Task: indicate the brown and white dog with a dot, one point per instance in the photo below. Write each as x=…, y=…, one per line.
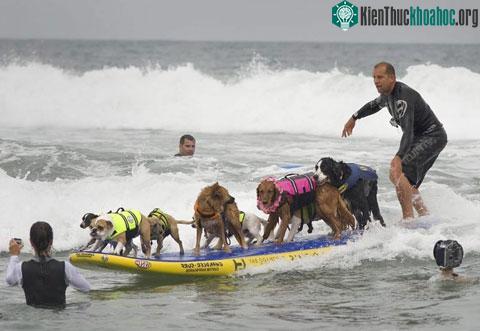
x=99, y=243
x=110, y=227
x=164, y=226
x=329, y=206
x=217, y=213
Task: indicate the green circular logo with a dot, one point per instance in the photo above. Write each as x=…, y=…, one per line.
x=344, y=15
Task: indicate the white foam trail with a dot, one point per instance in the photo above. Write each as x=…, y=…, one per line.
x=261, y=100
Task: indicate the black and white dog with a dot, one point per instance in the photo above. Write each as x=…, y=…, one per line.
x=357, y=184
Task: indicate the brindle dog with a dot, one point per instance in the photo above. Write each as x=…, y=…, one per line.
x=217, y=212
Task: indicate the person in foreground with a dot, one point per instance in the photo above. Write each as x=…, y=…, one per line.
x=422, y=141
x=44, y=279
x=186, y=146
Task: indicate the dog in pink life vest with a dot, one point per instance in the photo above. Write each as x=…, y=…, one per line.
x=283, y=200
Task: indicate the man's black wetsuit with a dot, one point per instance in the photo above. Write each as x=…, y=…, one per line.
x=423, y=135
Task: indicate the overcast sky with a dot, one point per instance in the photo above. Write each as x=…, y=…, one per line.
x=253, y=20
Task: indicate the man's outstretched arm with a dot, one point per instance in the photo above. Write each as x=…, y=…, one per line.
x=368, y=109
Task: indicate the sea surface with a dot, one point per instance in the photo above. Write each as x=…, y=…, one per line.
x=90, y=126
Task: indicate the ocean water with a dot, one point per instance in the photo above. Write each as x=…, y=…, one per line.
x=93, y=126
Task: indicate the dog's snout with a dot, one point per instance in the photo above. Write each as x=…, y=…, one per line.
x=83, y=225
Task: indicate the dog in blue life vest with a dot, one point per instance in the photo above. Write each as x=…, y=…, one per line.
x=357, y=184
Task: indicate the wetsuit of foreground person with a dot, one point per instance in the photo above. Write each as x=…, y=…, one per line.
x=422, y=141
x=44, y=280
x=186, y=146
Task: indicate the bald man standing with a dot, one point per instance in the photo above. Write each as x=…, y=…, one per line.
x=422, y=141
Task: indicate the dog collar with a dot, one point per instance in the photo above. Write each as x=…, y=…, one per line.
x=206, y=216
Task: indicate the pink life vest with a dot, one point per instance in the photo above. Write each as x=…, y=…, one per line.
x=297, y=184
x=293, y=185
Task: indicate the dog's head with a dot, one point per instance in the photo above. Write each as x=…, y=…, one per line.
x=211, y=201
x=87, y=220
x=219, y=196
x=328, y=168
x=267, y=192
x=101, y=228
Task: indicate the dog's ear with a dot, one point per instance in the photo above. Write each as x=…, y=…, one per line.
x=337, y=174
x=109, y=224
x=275, y=194
x=346, y=170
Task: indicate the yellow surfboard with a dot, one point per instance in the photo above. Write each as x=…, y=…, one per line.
x=209, y=262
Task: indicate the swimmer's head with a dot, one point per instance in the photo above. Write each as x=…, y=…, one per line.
x=448, y=253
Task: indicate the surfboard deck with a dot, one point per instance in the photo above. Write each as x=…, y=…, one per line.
x=424, y=223
x=211, y=262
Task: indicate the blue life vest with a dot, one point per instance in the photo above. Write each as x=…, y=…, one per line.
x=358, y=172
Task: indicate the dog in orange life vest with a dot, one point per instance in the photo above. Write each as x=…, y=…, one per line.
x=283, y=200
x=217, y=212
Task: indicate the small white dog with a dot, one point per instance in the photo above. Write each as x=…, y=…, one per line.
x=251, y=228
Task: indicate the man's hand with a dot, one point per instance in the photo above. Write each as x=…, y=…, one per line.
x=14, y=247
x=348, y=128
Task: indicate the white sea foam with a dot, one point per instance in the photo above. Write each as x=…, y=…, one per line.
x=62, y=203
x=260, y=100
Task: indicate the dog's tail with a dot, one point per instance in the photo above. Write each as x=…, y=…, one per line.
x=345, y=214
x=185, y=222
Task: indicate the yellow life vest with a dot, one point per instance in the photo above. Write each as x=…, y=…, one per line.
x=162, y=216
x=242, y=216
x=127, y=220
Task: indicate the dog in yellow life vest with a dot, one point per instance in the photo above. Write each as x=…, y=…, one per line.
x=122, y=227
x=164, y=225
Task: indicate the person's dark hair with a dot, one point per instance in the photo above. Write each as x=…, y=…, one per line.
x=389, y=69
x=186, y=137
x=41, y=235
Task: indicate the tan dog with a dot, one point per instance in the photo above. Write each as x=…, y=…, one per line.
x=164, y=226
x=122, y=227
x=217, y=212
x=329, y=206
